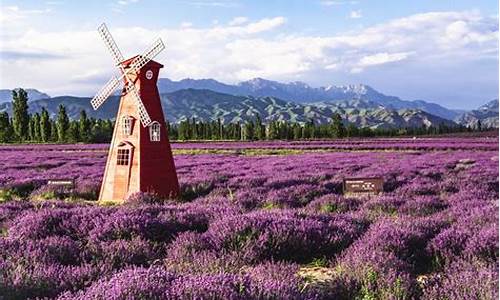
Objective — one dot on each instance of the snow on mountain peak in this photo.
(359, 89)
(300, 84)
(490, 106)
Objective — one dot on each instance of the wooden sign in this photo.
(363, 186)
(68, 182)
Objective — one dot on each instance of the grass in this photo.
(320, 262)
(5, 195)
(271, 205)
(109, 203)
(281, 151)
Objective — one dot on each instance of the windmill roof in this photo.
(151, 63)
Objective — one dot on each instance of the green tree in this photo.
(297, 131)
(6, 130)
(338, 129)
(31, 129)
(273, 131)
(308, 132)
(260, 130)
(172, 131)
(36, 127)
(45, 125)
(366, 132)
(62, 124)
(84, 127)
(184, 131)
(53, 131)
(352, 130)
(220, 129)
(109, 125)
(73, 134)
(249, 131)
(96, 130)
(20, 118)
(194, 133)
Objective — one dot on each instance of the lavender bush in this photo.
(250, 225)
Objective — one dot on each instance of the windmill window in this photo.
(127, 125)
(123, 157)
(154, 132)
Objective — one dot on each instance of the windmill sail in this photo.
(110, 43)
(136, 65)
(104, 93)
(143, 114)
(144, 58)
(147, 56)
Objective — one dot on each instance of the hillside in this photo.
(296, 92)
(210, 105)
(33, 94)
(487, 114)
(300, 92)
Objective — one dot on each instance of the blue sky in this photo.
(442, 51)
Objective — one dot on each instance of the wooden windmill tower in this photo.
(139, 158)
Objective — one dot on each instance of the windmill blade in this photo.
(147, 56)
(143, 114)
(110, 43)
(143, 59)
(105, 92)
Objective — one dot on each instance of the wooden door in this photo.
(124, 157)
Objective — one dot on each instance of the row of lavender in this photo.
(25, 173)
(26, 167)
(253, 224)
(477, 143)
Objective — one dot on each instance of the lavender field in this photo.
(261, 220)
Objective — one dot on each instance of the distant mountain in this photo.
(487, 114)
(300, 92)
(210, 105)
(297, 92)
(370, 114)
(33, 94)
(166, 85)
(490, 106)
(73, 107)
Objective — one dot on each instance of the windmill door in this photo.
(124, 160)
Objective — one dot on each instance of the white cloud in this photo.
(332, 67)
(265, 25)
(120, 5)
(382, 58)
(13, 13)
(336, 2)
(238, 21)
(379, 59)
(355, 14)
(126, 2)
(222, 3)
(77, 61)
(186, 24)
(54, 2)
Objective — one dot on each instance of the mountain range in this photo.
(33, 94)
(208, 99)
(486, 114)
(209, 105)
(301, 92)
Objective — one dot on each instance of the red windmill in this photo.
(139, 158)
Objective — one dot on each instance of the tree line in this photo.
(192, 129)
(40, 128)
